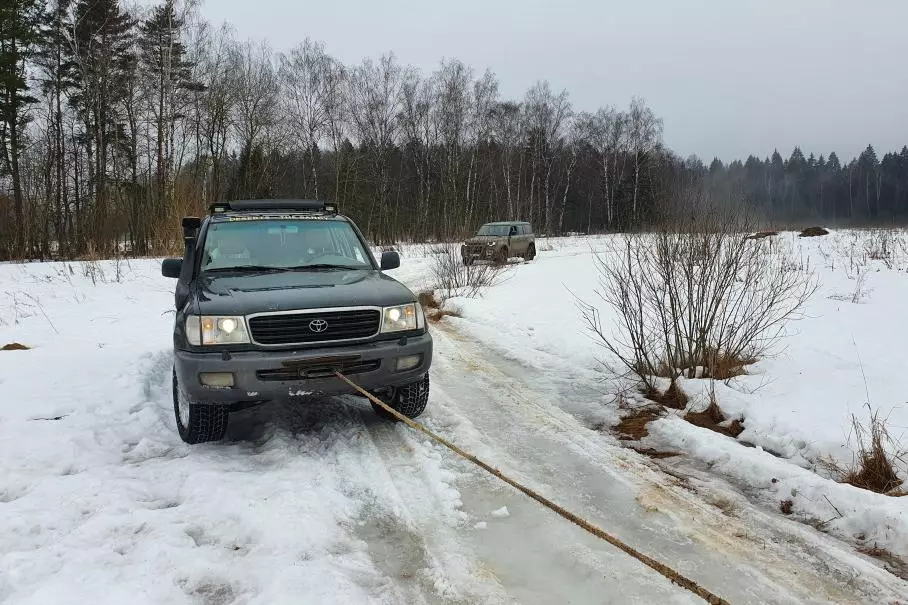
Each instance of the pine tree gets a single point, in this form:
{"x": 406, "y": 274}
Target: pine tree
{"x": 19, "y": 34}
{"x": 105, "y": 59}
{"x": 57, "y": 75}
{"x": 163, "y": 61}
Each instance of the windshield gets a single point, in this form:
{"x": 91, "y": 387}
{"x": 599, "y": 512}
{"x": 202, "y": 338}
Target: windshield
{"x": 282, "y": 245}
{"x": 494, "y": 230}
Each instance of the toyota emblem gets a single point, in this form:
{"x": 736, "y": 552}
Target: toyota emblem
{"x": 318, "y": 325}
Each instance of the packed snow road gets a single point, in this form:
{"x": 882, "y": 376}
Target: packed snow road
{"x": 320, "y": 501}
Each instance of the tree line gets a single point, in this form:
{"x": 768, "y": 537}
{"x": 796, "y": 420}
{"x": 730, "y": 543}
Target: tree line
{"x": 116, "y": 122}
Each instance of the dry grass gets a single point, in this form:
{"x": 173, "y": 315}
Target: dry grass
{"x": 433, "y": 307}
{"x": 437, "y": 315}
{"x": 873, "y": 466}
{"x": 892, "y": 562}
{"x": 713, "y": 418}
{"x": 656, "y": 454}
{"x": 673, "y": 397}
{"x": 786, "y": 506}
{"x": 633, "y": 426}
{"x": 14, "y": 346}
{"x": 428, "y": 300}
{"x": 761, "y": 234}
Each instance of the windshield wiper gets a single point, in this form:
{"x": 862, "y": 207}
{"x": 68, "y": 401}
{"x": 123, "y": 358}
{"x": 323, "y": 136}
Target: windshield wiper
{"x": 322, "y": 266}
{"x": 246, "y": 269}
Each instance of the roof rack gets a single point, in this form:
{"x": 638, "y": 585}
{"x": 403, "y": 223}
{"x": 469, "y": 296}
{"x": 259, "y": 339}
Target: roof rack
{"x": 273, "y": 206}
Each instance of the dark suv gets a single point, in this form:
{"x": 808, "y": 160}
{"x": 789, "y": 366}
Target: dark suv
{"x": 273, "y": 297}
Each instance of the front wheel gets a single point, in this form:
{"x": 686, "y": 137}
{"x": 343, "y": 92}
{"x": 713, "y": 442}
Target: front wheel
{"x": 502, "y": 257}
{"x": 410, "y": 400}
{"x": 197, "y": 423}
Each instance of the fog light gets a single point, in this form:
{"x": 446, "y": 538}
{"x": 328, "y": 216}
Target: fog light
{"x": 408, "y": 363}
{"x": 216, "y": 379}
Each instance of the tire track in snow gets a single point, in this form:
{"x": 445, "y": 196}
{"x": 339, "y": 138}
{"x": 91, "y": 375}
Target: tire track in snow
{"x": 754, "y": 557}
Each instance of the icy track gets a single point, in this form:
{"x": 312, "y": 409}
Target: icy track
{"x": 318, "y": 501}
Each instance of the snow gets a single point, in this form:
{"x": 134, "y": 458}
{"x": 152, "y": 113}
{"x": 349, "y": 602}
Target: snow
{"x": 100, "y": 501}
{"x": 843, "y": 358}
{"x": 500, "y": 513}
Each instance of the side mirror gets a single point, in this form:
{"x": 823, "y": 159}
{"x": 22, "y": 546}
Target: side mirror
{"x": 171, "y": 267}
{"x": 390, "y": 260}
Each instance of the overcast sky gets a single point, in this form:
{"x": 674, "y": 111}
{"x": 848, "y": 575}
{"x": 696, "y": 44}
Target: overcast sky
{"x": 729, "y": 78}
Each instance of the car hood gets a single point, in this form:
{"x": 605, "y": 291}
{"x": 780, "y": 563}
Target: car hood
{"x": 485, "y": 239}
{"x": 257, "y": 293}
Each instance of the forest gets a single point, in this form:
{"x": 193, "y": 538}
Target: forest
{"x": 115, "y": 122}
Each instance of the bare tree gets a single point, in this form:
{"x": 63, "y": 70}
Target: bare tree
{"x": 375, "y": 103}
{"x": 508, "y": 132}
{"x": 306, "y": 79}
{"x": 644, "y": 132}
{"x": 255, "y": 113}
{"x": 547, "y": 115}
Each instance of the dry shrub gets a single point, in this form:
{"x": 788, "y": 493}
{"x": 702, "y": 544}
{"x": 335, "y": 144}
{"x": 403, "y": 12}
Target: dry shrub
{"x": 874, "y": 464}
{"x": 786, "y": 506}
{"x": 428, "y": 301}
{"x": 454, "y": 278}
{"x": 695, "y": 298}
{"x": 633, "y": 425}
{"x": 813, "y": 232}
{"x": 14, "y": 346}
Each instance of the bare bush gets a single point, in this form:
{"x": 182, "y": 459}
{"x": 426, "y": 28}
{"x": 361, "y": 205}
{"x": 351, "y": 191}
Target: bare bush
{"x": 695, "y": 298}
{"x": 453, "y": 277}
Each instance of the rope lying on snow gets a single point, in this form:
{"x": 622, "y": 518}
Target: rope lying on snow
{"x": 663, "y": 569}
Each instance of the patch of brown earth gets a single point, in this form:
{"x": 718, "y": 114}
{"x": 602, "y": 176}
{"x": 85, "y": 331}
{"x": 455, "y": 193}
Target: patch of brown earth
{"x": 14, "y": 346}
{"x": 813, "y": 232}
{"x": 633, "y": 426}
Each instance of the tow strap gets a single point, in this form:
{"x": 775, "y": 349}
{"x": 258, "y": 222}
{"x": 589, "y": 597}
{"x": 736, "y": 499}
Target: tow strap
{"x": 663, "y": 569}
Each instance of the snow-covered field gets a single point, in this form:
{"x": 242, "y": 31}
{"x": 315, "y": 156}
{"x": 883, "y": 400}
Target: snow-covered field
{"x": 100, "y": 502}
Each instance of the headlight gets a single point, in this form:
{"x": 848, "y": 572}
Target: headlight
{"x": 216, "y": 330}
{"x": 403, "y": 318}
{"x": 493, "y": 243}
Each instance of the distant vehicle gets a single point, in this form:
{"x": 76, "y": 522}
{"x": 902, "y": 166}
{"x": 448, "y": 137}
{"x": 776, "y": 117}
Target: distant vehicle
{"x": 498, "y": 242}
{"x": 272, "y": 297}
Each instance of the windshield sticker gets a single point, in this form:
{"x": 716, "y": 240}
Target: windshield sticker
{"x": 276, "y": 217}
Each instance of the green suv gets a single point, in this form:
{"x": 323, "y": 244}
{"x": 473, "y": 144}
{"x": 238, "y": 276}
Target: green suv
{"x": 497, "y": 242}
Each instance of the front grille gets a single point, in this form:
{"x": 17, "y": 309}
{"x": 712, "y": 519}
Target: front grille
{"x": 319, "y": 368}
{"x": 478, "y": 250}
{"x": 298, "y": 328}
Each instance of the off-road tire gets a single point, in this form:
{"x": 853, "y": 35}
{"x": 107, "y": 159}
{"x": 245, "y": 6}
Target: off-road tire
{"x": 467, "y": 260}
{"x": 530, "y": 253}
{"x": 501, "y": 257}
{"x": 410, "y": 399}
{"x": 205, "y": 422}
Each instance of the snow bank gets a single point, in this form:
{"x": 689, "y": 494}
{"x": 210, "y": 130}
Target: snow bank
{"x": 849, "y": 351}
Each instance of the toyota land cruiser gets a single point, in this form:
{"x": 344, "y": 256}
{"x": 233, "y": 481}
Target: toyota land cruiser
{"x": 274, "y": 296}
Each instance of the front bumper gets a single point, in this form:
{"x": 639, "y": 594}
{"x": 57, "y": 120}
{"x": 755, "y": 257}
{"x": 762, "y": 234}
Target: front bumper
{"x": 268, "y": 375}
{"x": 477, "y": 252}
